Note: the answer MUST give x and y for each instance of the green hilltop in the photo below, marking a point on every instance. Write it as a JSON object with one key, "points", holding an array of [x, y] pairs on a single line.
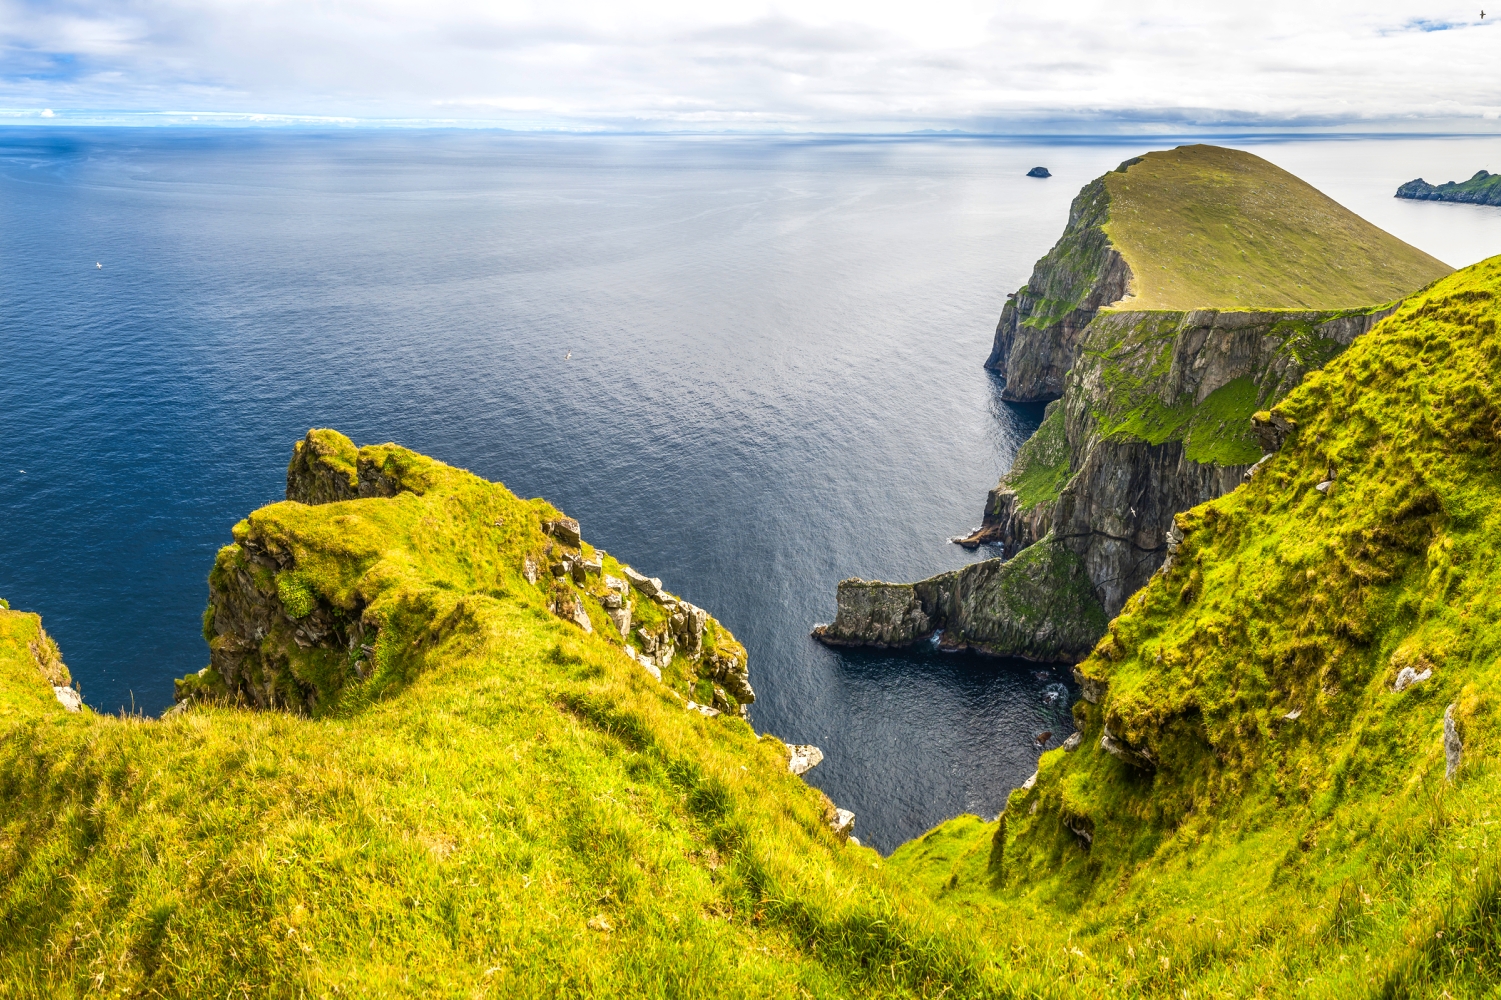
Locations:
{"points": [[1287, 782], [1208, 227]]}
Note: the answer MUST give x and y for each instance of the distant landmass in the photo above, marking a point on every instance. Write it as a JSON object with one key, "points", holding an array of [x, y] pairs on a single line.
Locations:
{"points": [[1482, 189]]}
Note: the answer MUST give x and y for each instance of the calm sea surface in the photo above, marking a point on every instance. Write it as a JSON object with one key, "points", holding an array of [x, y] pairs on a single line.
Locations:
{"points": [[775, 379]]}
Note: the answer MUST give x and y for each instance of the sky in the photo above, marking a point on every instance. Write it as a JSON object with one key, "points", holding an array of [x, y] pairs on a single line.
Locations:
{"points": [[818, 65]]}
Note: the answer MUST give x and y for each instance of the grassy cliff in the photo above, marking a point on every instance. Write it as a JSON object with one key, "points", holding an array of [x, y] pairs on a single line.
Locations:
{"points": [[488, 801], [1204, 227], [1287, 783]]}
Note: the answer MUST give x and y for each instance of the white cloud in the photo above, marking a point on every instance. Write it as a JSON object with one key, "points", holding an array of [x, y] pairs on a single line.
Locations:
{"points": [[820, 64]]}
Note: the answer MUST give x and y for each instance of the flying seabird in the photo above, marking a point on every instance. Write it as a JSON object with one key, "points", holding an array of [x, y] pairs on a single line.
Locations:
{"points": [[98, 265]]}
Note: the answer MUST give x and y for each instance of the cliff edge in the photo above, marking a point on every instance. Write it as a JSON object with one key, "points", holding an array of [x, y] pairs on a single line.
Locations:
{"points": [[1191, 289]]}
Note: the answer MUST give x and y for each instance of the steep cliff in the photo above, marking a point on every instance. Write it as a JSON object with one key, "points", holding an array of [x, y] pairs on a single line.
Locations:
{"points": [[307, 601], [1038, 606], [1041, 322], [1242, 279], [1156, 418], [1197, 227], [1288, 773]]}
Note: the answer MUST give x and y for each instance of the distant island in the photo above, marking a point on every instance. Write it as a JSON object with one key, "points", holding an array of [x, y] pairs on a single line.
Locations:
{"points": [[1039, 172], [1482, 189]]}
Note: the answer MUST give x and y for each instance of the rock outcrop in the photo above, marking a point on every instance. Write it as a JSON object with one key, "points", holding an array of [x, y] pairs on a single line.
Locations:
{"points": [[1157, 417], [1484, 188], [1038, 606], [304, 604], [1155, 410]]}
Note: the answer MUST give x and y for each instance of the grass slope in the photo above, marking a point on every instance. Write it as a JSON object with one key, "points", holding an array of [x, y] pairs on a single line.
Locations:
{"points": [[1207, 227], [504, 806], [1279, 821]]}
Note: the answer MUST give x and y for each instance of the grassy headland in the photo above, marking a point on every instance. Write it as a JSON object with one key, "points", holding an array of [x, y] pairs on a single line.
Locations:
{"points": [[1265, 801], [1203, 227]]}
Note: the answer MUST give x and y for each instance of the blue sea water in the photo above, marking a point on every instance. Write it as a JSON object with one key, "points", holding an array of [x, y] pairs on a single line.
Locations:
{"points": [[774, 379]]}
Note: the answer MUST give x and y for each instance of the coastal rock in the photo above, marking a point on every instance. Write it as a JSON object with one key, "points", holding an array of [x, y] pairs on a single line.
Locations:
{"points": [[648, 585], [68, 698], [1039, 172], [1038, 606], [1484, 188], [1093, 476], [804, 758], [840, 821], [326, 467], [1072, 743], [1091, 689], [1117, 747], [621, 617], [1407, 677], [565, 530]]}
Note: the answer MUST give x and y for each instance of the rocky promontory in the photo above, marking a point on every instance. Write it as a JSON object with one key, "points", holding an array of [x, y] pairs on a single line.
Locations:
{"points": [[1191, 289], [1482, 189], [304, 602]]}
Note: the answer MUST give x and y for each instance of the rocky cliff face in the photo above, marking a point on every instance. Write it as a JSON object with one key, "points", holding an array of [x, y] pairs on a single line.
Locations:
{"points": [[1155, 419], [1042, 321], [380, 552], [1038, 606]]}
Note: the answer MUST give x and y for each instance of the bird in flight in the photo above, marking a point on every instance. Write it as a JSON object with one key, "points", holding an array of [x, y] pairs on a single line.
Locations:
{"points": [[98, 265]]}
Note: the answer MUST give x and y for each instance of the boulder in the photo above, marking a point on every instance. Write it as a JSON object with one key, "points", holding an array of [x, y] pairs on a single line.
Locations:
{"points": [[565, 530], [622, 619], [68, 698], [529, 569], [648, 585], [805, 757]]}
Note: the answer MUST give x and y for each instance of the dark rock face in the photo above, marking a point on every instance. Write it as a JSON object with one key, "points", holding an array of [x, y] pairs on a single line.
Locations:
{"points": [[1039, 606], [1482, 189], [1122, 491], [1041, 324], [1039, 172]]}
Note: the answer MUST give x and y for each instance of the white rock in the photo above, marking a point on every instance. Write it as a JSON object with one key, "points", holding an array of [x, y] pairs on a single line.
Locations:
{"points": [[1407, 677], [529, 569], [1294, 715], [843, 823], [68, 698], [805, 758], [1027, 785], [708, 710], [1324, 486], [1072, 743]]}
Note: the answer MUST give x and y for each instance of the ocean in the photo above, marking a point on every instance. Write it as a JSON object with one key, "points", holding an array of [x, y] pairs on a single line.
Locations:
{"points": [[750, 366]]}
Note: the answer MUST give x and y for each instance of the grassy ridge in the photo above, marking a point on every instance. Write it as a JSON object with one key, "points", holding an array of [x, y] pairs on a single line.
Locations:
{"points": [[1207, 227], [506, 806], [1278, 820]]}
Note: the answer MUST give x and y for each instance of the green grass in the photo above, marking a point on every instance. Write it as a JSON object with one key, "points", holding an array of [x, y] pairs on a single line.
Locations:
{"points": [[1207, 227], [1324, 855], [448, 826], [1041, 468], [468, 819]]}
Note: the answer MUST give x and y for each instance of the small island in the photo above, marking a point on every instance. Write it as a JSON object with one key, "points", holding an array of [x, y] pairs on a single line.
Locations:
{"points": [[1039, 172], [1482, 189]]}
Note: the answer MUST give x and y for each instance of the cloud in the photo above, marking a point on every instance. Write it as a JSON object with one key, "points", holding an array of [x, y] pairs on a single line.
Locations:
{"points": [[833, 64]]}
